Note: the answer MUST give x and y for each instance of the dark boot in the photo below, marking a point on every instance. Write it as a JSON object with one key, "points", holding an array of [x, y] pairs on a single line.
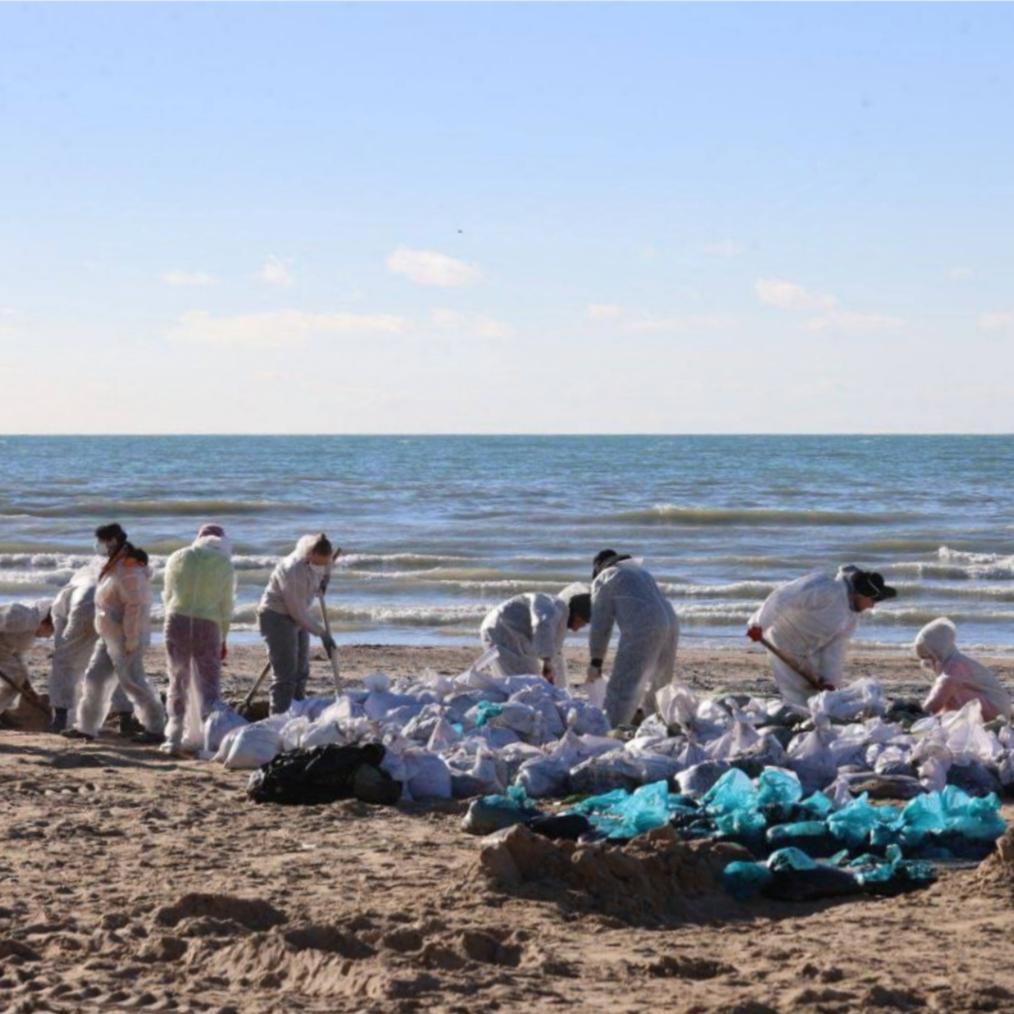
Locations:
{"points": [[129, 725], [59, 720], [147, 738], [77, 734]]}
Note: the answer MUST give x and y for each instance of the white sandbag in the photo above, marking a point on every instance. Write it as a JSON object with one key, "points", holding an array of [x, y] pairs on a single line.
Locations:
{"points": [[596, 691], [863, 698], [677, 705], [542, 777], [583, 717], [218, 724], [378, 681], [427, 774], [812, 760], [252, 746]]}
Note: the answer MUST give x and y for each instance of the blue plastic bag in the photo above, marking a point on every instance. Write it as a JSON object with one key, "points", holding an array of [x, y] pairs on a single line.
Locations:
{"points": [[743, 879], [733, 791], [853, 823], [778, 788]]}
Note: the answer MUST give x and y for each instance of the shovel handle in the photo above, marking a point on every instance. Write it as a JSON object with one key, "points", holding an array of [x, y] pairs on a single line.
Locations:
{"points": [[26, 691], [814, 682], [257, 685], [333, 654]]}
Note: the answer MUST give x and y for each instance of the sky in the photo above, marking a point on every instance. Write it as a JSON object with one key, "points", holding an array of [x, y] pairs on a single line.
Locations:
{"points": [[458, 218]]}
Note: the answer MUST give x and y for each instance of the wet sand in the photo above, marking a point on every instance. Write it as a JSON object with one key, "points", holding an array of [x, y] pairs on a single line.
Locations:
{"points": [[130, 881]]}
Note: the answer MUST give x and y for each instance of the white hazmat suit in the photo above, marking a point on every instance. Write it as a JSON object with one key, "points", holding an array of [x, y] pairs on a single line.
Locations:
{"points": [[812, 620], [627, 595], [123, 623], [75, 638], [18, 623], [525, 630]]}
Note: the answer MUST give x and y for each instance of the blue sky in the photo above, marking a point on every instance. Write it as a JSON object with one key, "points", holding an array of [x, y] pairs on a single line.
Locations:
{"points": [[506, 218]]}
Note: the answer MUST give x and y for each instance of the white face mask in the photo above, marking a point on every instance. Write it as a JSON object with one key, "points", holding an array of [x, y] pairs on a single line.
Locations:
{"points": [[318, 570], [928, 664], [104, 548]]}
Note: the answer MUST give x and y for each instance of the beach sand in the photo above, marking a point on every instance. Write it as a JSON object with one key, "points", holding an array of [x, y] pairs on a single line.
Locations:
{"points": [[132, 881]]}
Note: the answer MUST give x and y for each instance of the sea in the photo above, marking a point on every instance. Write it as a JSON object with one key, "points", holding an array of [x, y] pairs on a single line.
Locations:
{"points": [[435, 530]]}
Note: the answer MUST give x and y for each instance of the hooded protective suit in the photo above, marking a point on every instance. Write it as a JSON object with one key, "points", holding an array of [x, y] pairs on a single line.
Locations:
{"points": [[525, 630], [627, 595], [75, 638], [286, 622], [198, 592], [960, 679], [811, 619], [18, 623], [123, 622]]}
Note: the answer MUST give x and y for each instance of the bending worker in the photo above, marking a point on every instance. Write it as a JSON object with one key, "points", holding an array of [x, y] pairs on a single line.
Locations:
{"points": [[75, 636], [20, 624], [198, 591], [528, 632], [960, 679], [812, 620], [286, 622], [624, 593], [123, 622]]}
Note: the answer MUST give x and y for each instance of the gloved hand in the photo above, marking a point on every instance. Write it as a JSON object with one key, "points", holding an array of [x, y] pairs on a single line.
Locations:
{"points": [[131, 646], [593, 672], [329, 645], [547, 672], [225, 651], [755, 633]]}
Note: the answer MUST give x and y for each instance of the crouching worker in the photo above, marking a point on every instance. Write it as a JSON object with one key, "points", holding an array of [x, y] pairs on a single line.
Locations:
{"points": [[198, 594], [960, 679], [624, 593], [285, 619], [123, 622], [528, 632], [20, 624], [75, 636], [812, 620]]}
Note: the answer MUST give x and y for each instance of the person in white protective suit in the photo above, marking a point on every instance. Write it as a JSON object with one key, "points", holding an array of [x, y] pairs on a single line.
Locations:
{"points": [[285, 620], [20, 624], [123, 623], [75, 636], [624, 593], [529, 630], [960, 679], [812, 620]]}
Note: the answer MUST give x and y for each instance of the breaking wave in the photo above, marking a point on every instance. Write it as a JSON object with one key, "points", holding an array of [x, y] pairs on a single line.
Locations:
{"points": [[669, 514]]}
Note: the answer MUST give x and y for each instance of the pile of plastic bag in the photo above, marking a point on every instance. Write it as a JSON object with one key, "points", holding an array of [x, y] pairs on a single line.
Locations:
{"points": [[476, 734]]}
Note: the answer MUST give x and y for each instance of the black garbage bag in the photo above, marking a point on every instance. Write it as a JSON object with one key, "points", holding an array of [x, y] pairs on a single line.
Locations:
{"points": [[566, 826], [808, 885], [325, 774]]}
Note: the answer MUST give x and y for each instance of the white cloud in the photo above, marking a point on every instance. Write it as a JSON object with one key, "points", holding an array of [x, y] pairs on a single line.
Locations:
{"points": [[959, 274], [1002, 320], [830, 315], [474, 324], [724, 248], [790, 296], [856, 323], [281, 327], [275, 271], [182, 278], [427, 267], [604, 311], [631, 321]]}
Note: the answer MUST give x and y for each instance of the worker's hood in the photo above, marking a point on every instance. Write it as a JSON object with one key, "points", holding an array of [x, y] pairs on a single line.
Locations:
{"points": [[937, 641]]}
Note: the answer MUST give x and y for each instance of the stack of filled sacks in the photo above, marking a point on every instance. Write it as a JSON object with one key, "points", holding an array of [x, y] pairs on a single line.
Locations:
{"points": [[476, 734]]}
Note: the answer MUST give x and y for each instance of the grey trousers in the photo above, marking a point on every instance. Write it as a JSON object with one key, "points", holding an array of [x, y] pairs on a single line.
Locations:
{"points": [[289, 651]]}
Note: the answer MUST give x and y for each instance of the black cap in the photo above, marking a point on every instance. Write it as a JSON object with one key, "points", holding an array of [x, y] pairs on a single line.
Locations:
{"points": [[606, 558], [871, 584], [111, 533]]}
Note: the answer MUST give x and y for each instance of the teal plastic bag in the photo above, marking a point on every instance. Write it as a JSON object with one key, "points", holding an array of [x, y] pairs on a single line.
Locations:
{"points": [[485, 710], [853, 823], [778, 788], [733, 791], [743, 879]]}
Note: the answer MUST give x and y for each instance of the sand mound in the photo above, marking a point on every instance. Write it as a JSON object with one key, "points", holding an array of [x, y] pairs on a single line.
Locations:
{"points": [[655, 878], [253, 913], [997, 870]]}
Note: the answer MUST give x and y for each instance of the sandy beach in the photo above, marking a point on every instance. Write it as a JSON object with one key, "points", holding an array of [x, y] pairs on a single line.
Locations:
{"points": [[132, 881]]}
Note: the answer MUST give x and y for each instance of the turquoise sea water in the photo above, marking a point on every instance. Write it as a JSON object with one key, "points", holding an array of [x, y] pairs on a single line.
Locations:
{"points": [[437, 529]]}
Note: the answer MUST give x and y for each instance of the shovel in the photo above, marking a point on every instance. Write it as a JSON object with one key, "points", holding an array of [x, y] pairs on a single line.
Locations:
{"points": [[26, 691], [248, 700], [817, 684], [333, 653]]}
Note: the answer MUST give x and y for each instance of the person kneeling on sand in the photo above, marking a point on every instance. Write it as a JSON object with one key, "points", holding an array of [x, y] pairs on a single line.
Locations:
{"points": [[123, 622], [812, 620], [960, 679], [198, 592], [20, 624], [528, 632], [285, 621]]}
